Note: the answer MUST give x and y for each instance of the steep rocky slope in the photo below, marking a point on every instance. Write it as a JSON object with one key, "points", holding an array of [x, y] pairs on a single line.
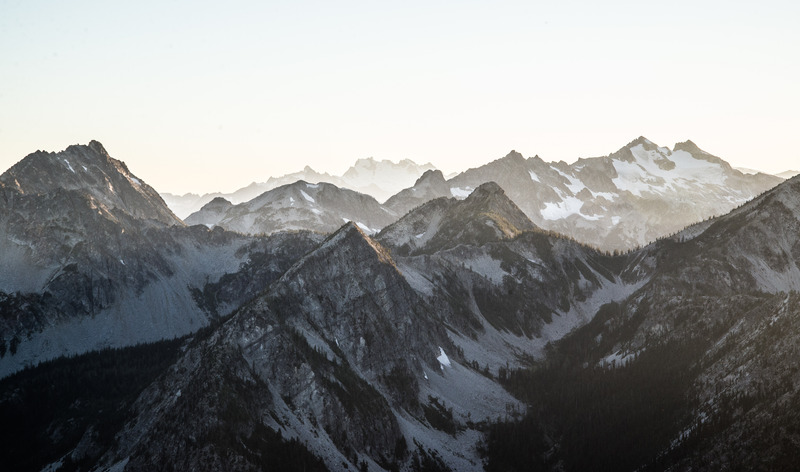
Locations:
{"points": [[92, 258], [504, 287], [340, 353], [714, 328]]}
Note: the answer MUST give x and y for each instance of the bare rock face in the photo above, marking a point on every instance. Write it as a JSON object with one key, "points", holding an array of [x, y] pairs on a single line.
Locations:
{"points": [[93, 257], [333, 351]]}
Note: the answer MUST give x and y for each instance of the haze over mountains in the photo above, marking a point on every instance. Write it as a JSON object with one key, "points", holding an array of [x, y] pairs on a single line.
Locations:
{"points": [[451, 328], [381, 179], [617, 202]]}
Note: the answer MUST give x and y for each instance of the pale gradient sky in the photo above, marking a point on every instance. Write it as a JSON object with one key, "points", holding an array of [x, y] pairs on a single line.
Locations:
{"points": [[203, 96]]}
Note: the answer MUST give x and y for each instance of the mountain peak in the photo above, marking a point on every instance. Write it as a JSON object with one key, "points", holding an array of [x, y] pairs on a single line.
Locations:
{"points": [[641, 140], [697, 153], [432, 175], [486, 190], [625, 153], [218, 202], [348, 243], [98, 148], [514, 156], [690, 147], [486, 215], [90, 170]]}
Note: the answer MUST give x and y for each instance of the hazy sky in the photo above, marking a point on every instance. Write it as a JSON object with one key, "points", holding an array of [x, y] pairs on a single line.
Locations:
{"points": [[202, 96]]}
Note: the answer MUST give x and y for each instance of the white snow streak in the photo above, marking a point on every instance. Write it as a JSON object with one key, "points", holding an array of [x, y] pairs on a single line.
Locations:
{"points": [[459, 192], [444, 361], [307, 196]]}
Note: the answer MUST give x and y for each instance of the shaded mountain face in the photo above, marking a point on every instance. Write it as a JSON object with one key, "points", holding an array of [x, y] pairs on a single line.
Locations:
{"points": [[301, 205], [753, 249], [707, 342], [369, 357], [340, 353], [93, 258]]}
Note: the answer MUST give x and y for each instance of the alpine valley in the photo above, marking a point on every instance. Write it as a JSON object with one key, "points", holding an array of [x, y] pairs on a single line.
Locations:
{"points": [[638, 311]]}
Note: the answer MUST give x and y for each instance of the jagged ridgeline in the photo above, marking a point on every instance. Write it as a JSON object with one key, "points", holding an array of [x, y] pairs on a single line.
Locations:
{"points": [[621, 201], [464, 335]]}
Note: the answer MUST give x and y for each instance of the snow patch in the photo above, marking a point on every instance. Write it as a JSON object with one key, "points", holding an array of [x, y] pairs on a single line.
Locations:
{"points": [[136, 181], [645, 176], [534, 177], [68, 165], [617, 359], [568, 206], [574, 185], [420, 235], [460, 192], [312, 185], [365, 228], [307, 196], [444, 361]]}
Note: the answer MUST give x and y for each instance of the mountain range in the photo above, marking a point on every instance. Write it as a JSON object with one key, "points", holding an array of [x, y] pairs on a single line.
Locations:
{"points": [[380, 179], [617, 202], [456, 333]]}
